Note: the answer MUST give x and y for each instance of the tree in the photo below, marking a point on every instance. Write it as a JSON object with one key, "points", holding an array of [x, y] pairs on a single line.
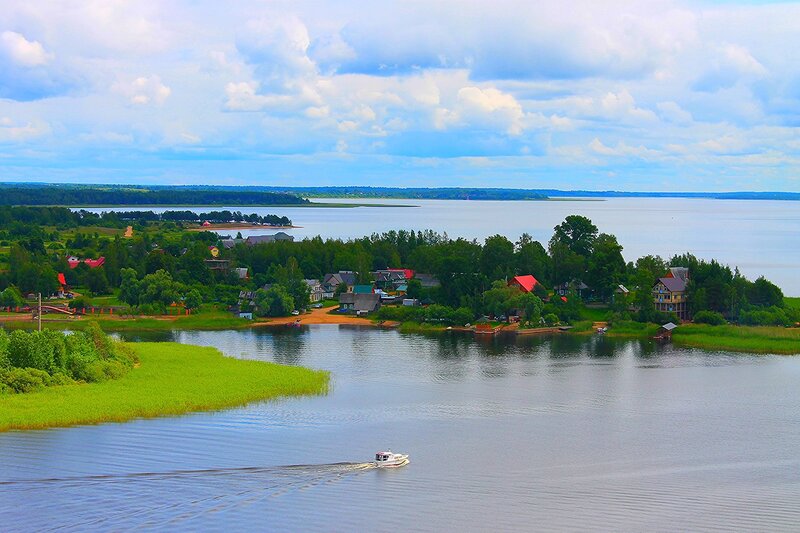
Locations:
{"points": [[577, 233], [96, 281], [497, 258], [275, 301], [11, 297], [764, 293], [159, 288], [605, 266], [340, 288], [567, 265], [530, 257], [129, 287], [414, 289], [531, 305], [193, 299], [500, 298]]}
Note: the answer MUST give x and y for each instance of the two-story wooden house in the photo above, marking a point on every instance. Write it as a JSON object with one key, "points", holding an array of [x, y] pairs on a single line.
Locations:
{"points": [[669, 292]]}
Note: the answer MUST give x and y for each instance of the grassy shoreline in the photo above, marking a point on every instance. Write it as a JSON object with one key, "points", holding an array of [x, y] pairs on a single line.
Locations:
{"points": [[172, 379], [749, 339]]}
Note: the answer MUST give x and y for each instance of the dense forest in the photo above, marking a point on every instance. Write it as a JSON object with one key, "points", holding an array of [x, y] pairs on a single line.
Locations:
{"points": [[130, 195], [17, 220], [157, 267]]}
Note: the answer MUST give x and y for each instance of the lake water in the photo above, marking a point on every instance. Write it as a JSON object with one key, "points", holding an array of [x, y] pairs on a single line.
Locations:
{"points": [[564, 433], [760, 237]]}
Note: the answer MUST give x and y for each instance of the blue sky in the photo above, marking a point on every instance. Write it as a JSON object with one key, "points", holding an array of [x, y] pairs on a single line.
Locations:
{"points": [[572, 94]]}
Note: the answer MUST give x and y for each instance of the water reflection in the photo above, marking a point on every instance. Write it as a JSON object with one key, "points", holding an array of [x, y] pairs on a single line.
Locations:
{"points": [[565, 432]]}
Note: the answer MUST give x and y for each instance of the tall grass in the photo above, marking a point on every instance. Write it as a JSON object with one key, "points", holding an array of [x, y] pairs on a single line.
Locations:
{"points": [[629, 328], [171, 379], [754, 339]]}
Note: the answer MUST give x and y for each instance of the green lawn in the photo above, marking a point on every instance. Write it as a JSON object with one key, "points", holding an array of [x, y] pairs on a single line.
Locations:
{"points": [[172, 379], [594, 314]]}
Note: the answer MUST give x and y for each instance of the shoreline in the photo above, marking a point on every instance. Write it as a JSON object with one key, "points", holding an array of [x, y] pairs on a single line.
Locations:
{"points": [[239, 226], [172, 379], [730, 338]]}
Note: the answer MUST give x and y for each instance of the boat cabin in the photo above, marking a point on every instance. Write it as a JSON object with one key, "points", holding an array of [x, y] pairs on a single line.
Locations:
{"points": [[383, 456]]}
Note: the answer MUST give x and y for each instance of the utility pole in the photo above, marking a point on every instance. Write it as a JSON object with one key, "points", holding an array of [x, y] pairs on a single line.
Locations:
{"points": [[40, 311]]}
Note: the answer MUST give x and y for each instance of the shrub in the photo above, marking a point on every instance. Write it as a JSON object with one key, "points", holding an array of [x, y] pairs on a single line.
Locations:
{"points": [[551, 319], [709, 317], [22, 380], [770, 316], [81, 302]]}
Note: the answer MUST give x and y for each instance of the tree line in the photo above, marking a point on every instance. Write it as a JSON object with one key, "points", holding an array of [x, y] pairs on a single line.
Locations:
{"points": [[22, 220], [132, 195], [472, 274]]}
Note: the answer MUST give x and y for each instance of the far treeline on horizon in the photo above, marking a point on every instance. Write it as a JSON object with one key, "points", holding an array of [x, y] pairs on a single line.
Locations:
{"points": [[241, 195]]}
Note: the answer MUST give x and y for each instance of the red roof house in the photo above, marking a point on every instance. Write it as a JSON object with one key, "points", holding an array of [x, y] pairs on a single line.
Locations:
{"points": [[524, 283], [94, 263]]}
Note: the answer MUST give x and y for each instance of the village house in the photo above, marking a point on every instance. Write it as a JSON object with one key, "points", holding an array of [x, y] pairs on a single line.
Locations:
{"points": [[230, 243], [261, 239], [360, 304], [577, 287], [669, 292], [428, 281], [331, 281], [392, 279], [523, 283], [73, 262], [316, 294], [220, 265]]}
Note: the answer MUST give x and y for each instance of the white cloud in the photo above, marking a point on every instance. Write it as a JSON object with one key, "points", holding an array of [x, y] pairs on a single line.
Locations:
{"points": [[143, 90], [12, 131], [22, 51], [479, 107]]}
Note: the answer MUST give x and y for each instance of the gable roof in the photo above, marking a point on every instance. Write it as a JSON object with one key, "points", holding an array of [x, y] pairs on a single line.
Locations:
{"points": [[673, 284], [526, 283], [678, 272], [343, 276], [361, 302]]}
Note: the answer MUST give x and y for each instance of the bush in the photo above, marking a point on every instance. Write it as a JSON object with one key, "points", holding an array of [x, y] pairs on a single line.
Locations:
{"points": [[81, 302], [709, 317], [22, 380], [551, 319], [32, 360], [770, 316]]}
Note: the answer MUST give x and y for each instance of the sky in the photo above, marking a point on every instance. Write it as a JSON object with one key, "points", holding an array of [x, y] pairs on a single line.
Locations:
{"points": [[622, 95]]}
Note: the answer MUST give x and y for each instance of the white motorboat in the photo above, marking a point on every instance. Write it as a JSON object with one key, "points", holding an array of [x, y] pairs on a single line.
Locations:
{"points": [[388, 459]]}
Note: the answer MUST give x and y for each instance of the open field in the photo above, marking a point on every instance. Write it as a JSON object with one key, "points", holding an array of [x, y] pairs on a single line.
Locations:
{"points": [[171, 379]]}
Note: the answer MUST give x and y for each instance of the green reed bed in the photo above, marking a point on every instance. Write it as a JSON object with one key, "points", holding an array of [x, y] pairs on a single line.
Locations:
{"points": [[171, 379], [754, 339]]}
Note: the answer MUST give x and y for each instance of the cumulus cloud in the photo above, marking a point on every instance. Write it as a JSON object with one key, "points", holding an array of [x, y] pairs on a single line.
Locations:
{"points": [[143, 90], [27, 71], [487, 107], [23, 52], [566, 85]]}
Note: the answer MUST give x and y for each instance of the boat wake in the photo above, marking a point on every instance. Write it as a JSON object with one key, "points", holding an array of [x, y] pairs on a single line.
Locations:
{"points": [[281, 471]]}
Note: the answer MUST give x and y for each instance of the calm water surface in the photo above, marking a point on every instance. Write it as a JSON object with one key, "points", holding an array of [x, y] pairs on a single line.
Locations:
{"points": [[535, 434], [760, 237]]}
